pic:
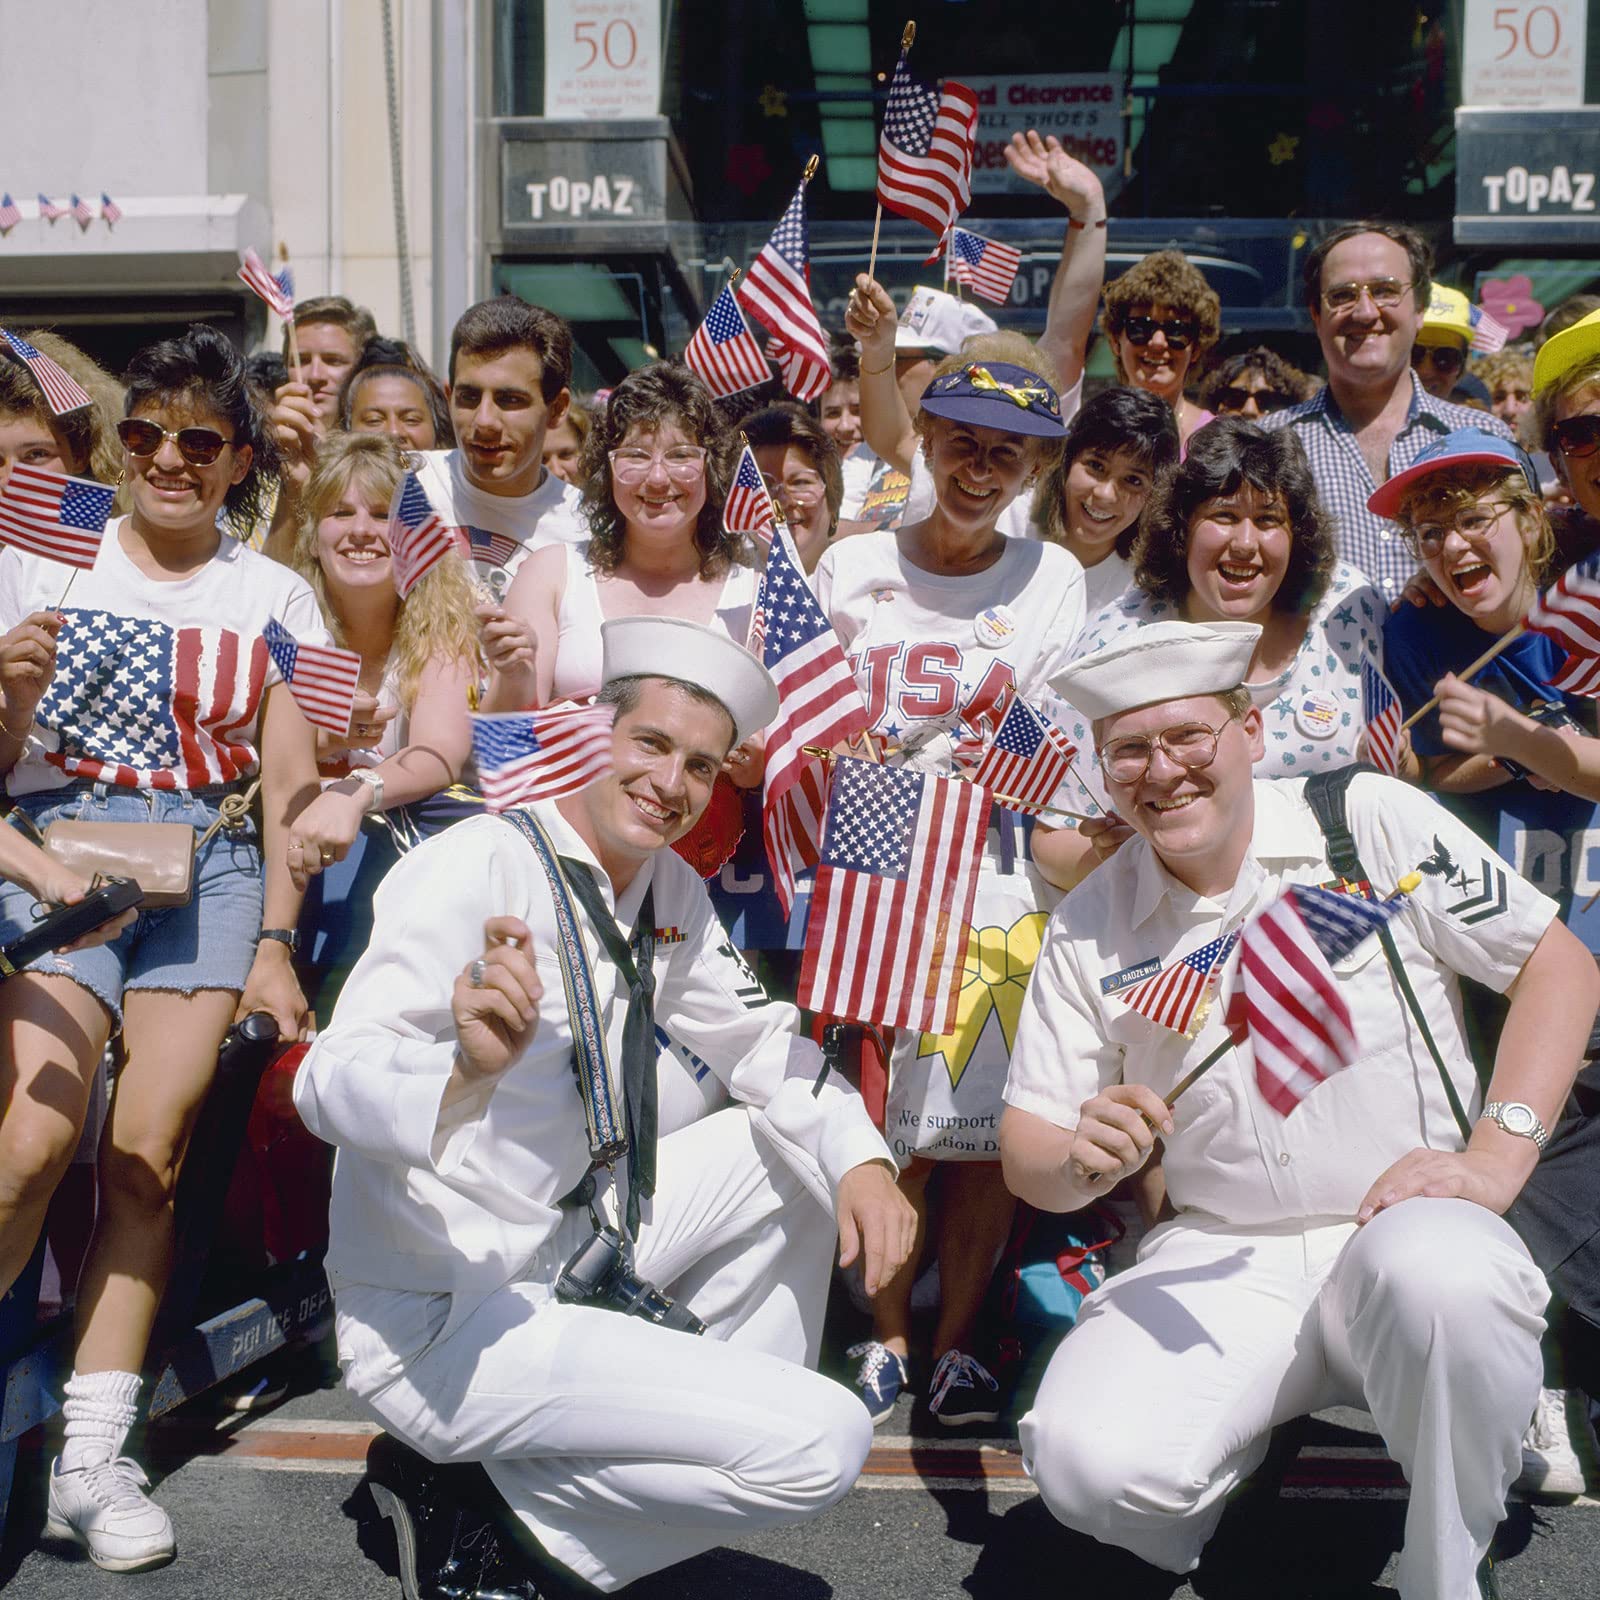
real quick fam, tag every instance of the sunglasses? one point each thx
(1234, 398)
(198, 446)
(1446, 357)
(1141, 330)
(1577, 437)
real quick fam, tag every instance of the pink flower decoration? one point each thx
(1510, 302)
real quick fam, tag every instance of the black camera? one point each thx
(599, 1274)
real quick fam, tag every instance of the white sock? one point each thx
(99, 1408)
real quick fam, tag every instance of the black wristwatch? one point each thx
(288, 936)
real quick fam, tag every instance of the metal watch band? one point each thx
(1493, 1112)
(288, 936)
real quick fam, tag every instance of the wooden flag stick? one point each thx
(906, 40)
(1469, 672)
(294, 340)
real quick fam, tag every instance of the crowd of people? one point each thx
(1192, 573)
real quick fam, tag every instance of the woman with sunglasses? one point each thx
(155, 703)
(1253, 384)
(1566, 420)
(1161, 317)
(1238, 534)
(1506, 745)
(947, 624)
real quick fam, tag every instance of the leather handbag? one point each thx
(158, 856)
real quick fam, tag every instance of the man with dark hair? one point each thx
(1331, 1237)
(1367, 286)
(510, 367)
(500, 1025)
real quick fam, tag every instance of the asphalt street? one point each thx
(275, 1506)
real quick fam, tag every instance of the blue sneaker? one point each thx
(881, 1378)
(963, 1391)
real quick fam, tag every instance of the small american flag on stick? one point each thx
(1569, 613)
(724, 351)
(109, 210)
(49, 210)
(321, 678)
(50, 515)
(1288, 1002)
(276, 288)
(985, 266)
(1173, 997)
(1380, 708)
(894, 894)
(749, 506)
(82, 211)
(540, 755)
(10, 216)
(777, 289)
(61, 392)
(925, 150)
(418, 540)
(1027, 760)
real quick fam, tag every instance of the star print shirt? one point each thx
(156, 685)
(1311, 711)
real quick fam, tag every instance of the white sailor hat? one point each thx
(690, 652)
(1159, 661)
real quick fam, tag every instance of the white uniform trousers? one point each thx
(1160, 1401)
(622, 1446)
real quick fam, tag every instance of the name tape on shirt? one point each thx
(1116, 982)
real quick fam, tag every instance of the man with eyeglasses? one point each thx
(1367, 286)
(1350, 1253)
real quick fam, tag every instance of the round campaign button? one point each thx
(1317, 716)
(995, 626)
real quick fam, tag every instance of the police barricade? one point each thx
(185, 1360)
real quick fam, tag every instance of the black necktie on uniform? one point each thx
(638, 1028)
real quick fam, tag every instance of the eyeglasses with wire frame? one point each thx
(1190, 745)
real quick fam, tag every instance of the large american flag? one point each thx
(48, 209)
(277, 289)
(887, 933)
(985, 266)
(925, 150)
(818, 704)
(724, 351)
(10, 216)
(540, 755)
(749, 506)
(1380, 709)
(62, 392)
(51, 515)
(1569, 613)
(777, 289)
(321, 677)
(142, 704)
(1027, 761)
(418, 539)
(1172, 996)
(1288, 1001)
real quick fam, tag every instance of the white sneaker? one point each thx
(106, 1510)
(1550, 1463)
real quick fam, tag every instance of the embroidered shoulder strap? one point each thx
(608, 1134)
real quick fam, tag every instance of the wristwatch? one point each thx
(373, 780)
(288, 936)
(1515, 1118)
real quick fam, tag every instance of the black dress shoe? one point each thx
(445, 1534)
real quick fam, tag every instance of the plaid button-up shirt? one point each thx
(1345, 481)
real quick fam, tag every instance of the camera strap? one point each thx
(632, 1135)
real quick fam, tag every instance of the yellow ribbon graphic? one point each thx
(994, 977)
(1021, 395)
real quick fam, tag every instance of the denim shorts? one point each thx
(208, 944)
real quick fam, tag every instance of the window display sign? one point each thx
(602, 58)
(1082, 109)
(1524, 52)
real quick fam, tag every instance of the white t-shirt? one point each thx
(156, 685)
(500, 529)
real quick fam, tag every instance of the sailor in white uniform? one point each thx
(1352, 1252)
(447, 1082)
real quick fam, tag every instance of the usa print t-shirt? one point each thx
(156, 685)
